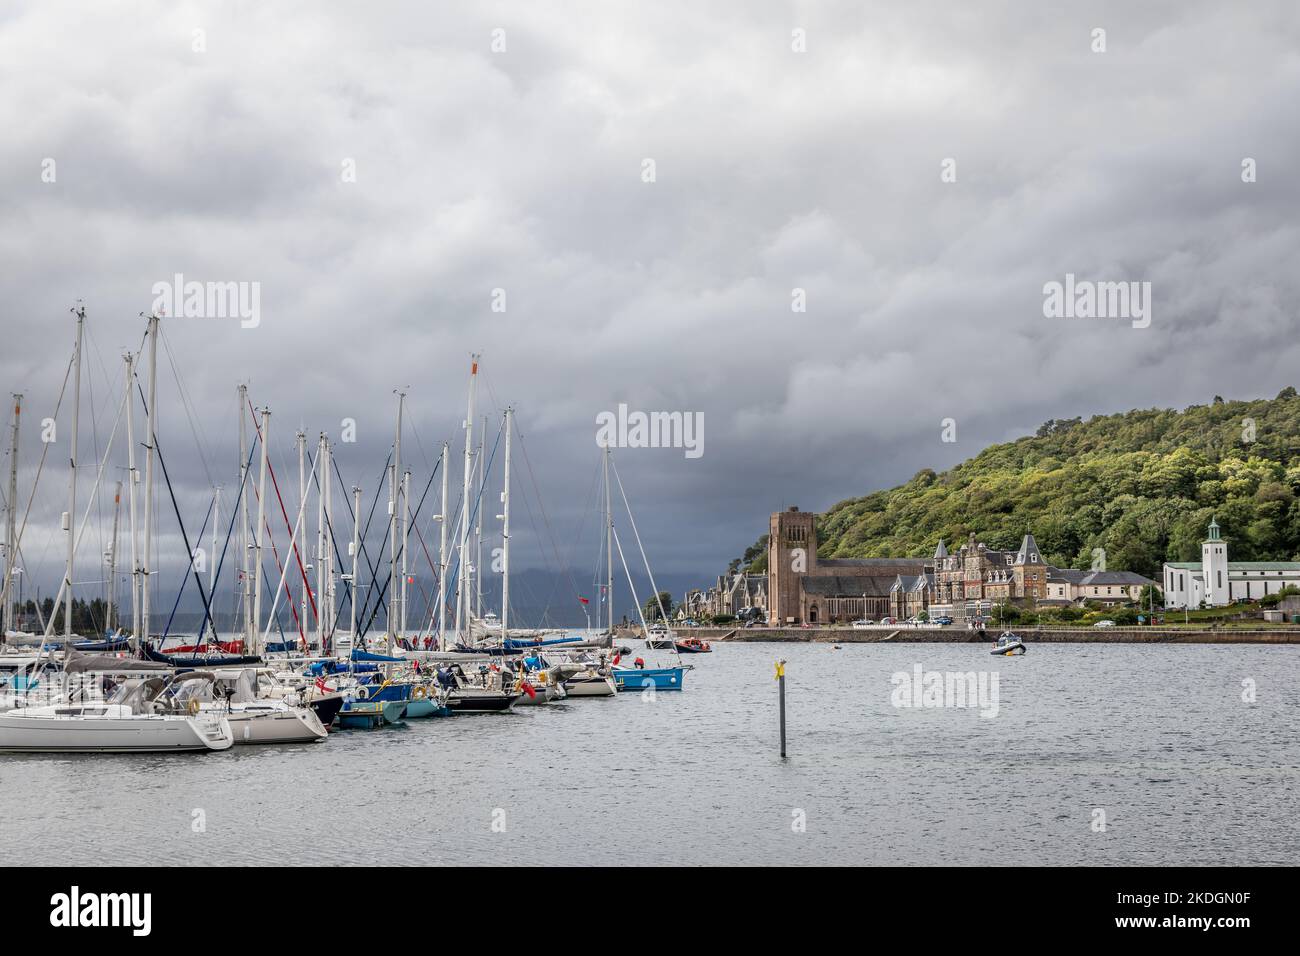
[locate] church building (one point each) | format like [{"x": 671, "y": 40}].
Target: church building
[{"x": 1214, "y": 581}]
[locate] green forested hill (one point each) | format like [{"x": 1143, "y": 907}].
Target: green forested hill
[{"x": 1142, "y": 485}]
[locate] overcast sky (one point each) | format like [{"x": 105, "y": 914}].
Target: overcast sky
[{"x": 226, "y": 155}]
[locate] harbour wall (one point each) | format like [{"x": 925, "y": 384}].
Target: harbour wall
[{"x": 953, "y": 635}]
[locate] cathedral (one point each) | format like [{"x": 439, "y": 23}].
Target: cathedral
[
  {"x": 962, "y": 584},
  {"x": 804, "y": 589}
]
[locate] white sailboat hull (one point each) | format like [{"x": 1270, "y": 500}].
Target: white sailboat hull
[
  {"x": 276, "y": 726},
  {"x": 590, "y": 687},
  {"x": 106, "y": 730}
]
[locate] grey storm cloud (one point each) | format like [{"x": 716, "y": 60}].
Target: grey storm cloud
[{"x": 521, "y": 170}]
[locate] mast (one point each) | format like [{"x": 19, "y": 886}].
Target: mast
[
  {"x": 301, "y": 438},
  {"x": 11, "y": 527},
  {"x": 112, "y": 557},
  {"x": 150, "y": 432},
  {"x": 132, "y": 479},
  {"x": 319, "y": 562},
  {"x": 462, "y": 585},
  {"x": 356, "y": 553},
  {"x": 394, "y": 496},
  {"x": 327, "y": 632},
  {"x": 80, "y": 312},
  {"x": 406, "y": 540},
  {"x": 505, "y": 533},
  {"x": 260, "y": 535},
  {"x": 212, "y": 560},
  {"x": 442, "y": 555},
  {"x": 609, "y": 545},
  {"x": 244, "y": 544},
  {"x": 479, "y": 524}
]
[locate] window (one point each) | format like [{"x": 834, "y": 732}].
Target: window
[{"x": 1219, "y": 576}]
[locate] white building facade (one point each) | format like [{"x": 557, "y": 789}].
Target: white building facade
[{"x": 1217, "y": 582}]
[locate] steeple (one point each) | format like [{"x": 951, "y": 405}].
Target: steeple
[
  {"x": 941, "y": 551},
  {"x": 1028, "y": 553},
  {"x": 1213, "y": 531}
]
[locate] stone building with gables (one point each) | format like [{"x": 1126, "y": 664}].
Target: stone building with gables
[
  {"x": 805, "y": 589},
  {"x": 968, "y": 582}
]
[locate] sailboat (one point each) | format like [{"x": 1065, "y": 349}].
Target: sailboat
[
  {"x": 255, "y": 717},
  {"x": 637, "y": 677},
  {"x": 137, "y": 718}
]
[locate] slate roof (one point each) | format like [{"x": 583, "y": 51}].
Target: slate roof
[
  {"x": 1072, "y": 575},
  {"x": 1029, "y": 553},
  {"x": 848, "y": 585},
  {"x": 1115, "y": 577}
]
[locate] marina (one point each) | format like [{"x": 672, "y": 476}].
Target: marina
[
  {"x": 132, "y": 689},
  {"x": 1158, "y": 736}
]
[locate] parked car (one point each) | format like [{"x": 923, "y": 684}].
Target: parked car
[
  {"x": 862, "y": 623},
  {"x": 943, "y": 621},
  {"x": 1105, "y": 623}
]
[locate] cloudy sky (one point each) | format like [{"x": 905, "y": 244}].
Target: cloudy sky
[{"x": 380, "y": 169}]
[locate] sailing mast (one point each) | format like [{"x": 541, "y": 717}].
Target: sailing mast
[
  {"x": 132, "y": 479},
  {"x": 505, "y": 534},
  {"x": 394, "y": 494},
  {"x": 11, "y": 527},
  {"x": 327, "y": 629},
  {"x": 356, "y": 553},
  {"x": 442, "y": 555},
  {"x": 259, "y": 535},
  {"x": 244, "y": 544},
  {"x": 319, "y": 564},
  {"x": 70, "y": 519},
  {"x": 462, "y": 584},
  {"x": 109, "y": 614},
  {"x": 150, "y": 444},
  {"x": 301, "y": 439},
  {"x": 212, "y": 561},
  {"x": 478, "y": 525},
  {"x": 406, "y": 539},
  {"x": 609, "y": 545}
]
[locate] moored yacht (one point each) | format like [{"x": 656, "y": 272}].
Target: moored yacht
[{"x": 138, "y": 717}]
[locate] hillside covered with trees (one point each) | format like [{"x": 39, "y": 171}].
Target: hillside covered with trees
[{"x": 1142, "y": 485}]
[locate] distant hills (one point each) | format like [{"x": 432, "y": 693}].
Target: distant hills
[{"x": 1143, "y": 485}]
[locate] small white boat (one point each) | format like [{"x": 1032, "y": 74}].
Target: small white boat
[{"x": 135, "y": 719}]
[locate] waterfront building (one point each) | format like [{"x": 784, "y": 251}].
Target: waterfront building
[
  {"x": 966, "y": 583},
  {"x": 802, "y": 588},
  {"x": 1214, "y": 581}
]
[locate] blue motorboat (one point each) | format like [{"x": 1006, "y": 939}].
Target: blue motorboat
[
  {"x": 369, "y": 714},
  {"x": 641, "y": 678}
]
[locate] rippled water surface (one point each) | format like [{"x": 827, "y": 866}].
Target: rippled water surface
[{"x": 1157, "y": 737}]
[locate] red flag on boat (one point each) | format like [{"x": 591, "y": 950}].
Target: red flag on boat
[
  {"x": 583, "y": 599},
  {"x": 528, "y": 689},
  {"x": 320, "y": 685},
  {"x": 617, "y": 658}
]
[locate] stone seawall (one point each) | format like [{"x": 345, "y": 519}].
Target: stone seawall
[{"x": 1081, "y": 635}]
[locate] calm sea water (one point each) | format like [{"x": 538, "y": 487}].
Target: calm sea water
[{"x": 1157, "y": 737}]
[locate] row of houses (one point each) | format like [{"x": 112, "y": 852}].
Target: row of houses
[{"x": 729, "y": 596}]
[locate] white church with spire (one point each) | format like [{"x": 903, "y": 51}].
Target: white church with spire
[{"x": 1214, "y": 581}]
